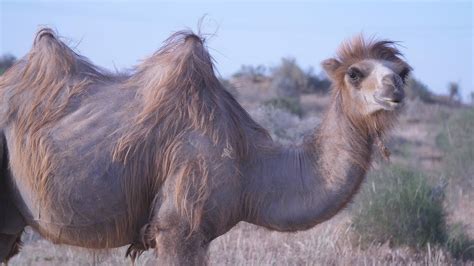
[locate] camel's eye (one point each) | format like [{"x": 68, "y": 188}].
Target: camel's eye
[
  {"x": 404, "y": 73},
  {"x": 354, "y": 74}
]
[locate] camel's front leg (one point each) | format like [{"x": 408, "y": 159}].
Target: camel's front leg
[
  {"x": 172, "y": 244},
  {"x": 173, "y": 241},
  {"x": 169, "y": 234}
]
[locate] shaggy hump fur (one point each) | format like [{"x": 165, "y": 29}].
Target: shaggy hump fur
[
  {"x": 177, "y": 94},
  {"x": 50, "y": 77},
  {"x": 179, "y": 79},
  {"x": 165, "y": 157}
]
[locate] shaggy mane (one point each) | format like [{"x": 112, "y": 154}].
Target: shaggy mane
[{"x": 360, "y": 48}]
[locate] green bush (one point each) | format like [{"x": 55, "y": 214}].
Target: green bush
[
  {"x": 288, "y": 79},
  {"x": 254, "y": 73},
  {"x": 415, "y": 89},
  {"x": 6, "y": 61},
  {"x": 399, "y": 205},
  {"x": 317, "y": 83},
  {"x": 459, "y": 244},
  {"x": 289, "y": 104}
]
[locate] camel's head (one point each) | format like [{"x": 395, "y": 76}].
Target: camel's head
[{"x": 370, "y": 75}]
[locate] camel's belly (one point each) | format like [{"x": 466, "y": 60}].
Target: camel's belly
[
  {"x": 89, "y": 213},
  {"x": 105, "y": 230},
  {"x": 100, "y": 235}
]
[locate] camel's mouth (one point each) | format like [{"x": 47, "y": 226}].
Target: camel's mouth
[{"x": 388, "y": 103}]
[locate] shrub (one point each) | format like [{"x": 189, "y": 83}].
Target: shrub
[
  {"x": 291, "y": 105},
  {"x": 456, "y": 139},
  {"x": 6, "y": 61},
  {"x": 253, "y": 73},
  {"x": 283, "y": 126},
  {"x": 459, "y": 244},
  {"x": 317, "y": 83},
  {"x": 415, "y": 89},
  {"x": 454, "y": 92},
  {"x": 288, "y": 79},
  {"x": 401, "y": 207}
]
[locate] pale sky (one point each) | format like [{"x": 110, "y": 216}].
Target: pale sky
[{"x": 437, "y": 36}]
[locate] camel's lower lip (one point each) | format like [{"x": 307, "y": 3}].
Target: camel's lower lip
[{"x": 388, "y": 104}]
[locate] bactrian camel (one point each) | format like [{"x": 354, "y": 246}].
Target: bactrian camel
[{"x": 165, "y": 158}]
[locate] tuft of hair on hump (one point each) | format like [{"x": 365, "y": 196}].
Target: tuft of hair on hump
[
  {"x": 44, "y": 33},
  {"x": 50, "y": 54},
  {"x": 51, "y": 74},
  {"x": 179, "y": 71},
  {"x": 180, "y": 96},
  {"x": 179, "y": 79},
  {"x": 181, "y": 64}
]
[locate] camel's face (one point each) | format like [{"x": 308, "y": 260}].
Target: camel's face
[{"x": 376, "y": 84}]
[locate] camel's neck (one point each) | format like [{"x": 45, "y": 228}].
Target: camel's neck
[{"x": 295, "y": 188}]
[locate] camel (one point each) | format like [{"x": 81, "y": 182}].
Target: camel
[{"x": 165, "y": 158}]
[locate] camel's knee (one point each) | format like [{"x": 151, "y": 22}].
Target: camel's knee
[
  {"x": 146, "y": 239},
  {"x": 173, "y": 246}
]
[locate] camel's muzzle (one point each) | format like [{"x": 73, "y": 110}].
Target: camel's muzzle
[{"x": 391, "y": 95}]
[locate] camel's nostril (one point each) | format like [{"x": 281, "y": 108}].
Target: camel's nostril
[
  {"x": 398, "y": 95},
  {"x": 390, "y": 94},
  {"x": 393, "y": 80}
]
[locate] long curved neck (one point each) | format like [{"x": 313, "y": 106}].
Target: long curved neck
[{"x": 295, "y": 188}]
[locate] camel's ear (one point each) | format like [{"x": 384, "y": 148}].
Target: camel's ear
[{"x": 330, "y": 66}]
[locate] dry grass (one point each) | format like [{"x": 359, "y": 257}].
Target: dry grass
[
  {"x": 328, "y": 244},
  {"x": 331, "y": 243}
]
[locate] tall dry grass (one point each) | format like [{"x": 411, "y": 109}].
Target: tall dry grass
[{"x": 330, "y": 243}]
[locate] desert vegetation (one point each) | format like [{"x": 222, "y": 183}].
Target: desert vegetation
[
  {"x": 415, "y": 209},
  {"x": 6, "y": 61}
]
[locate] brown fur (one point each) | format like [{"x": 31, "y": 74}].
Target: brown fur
[
  {"x": 360, "y": 48},
  {"x": 59, "y": 75},
  {"x": 187, "y": 88},
  {"x": 359, "y": 130},
  {"x": 376, "y": 125},
  {"x": 190, "y": 161},
  {"x": 178, "y": 79},
  {"x": 340, "y": 151}
]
